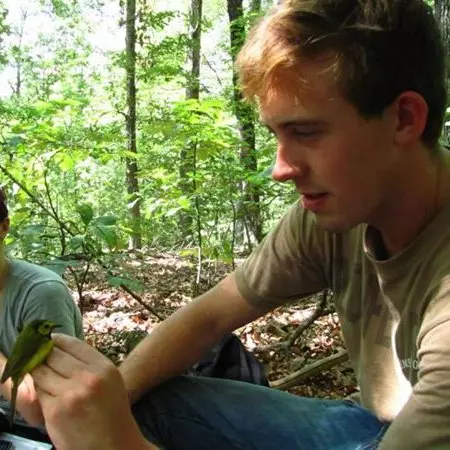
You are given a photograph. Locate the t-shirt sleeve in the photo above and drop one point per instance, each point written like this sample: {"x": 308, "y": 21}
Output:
{"x": 51, "y": 300}
{"x": 423, "y": 423}
{"x": 290, "y": 263}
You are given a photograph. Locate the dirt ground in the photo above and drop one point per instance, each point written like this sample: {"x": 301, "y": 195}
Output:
{"x": 114, "y": 322}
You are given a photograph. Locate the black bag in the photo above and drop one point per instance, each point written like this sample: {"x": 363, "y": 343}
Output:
{"x": 22, "y": 430}
{"x": 230, "y": 359}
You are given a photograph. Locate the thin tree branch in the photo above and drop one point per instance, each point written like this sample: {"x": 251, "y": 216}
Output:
{"x": 319, "y": 311}
{"x": 55, "y": 212}
{"x": 310, "y": 370}
{"x": 214, "y": 70}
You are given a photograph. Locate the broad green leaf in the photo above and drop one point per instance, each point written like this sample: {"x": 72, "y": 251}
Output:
{"x": 86, "y": 213}
{"x": 106, "y": 234}
{"x": 77, "y": 242}
{"x": 67, "y": 163}
{"x": 133, "y": 284}
{"x": 59, "y": 266}
{"x": 106, "y": 221}
{"x": 184, "y": 203}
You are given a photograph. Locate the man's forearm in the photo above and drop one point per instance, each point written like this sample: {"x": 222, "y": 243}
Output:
{"x": 183, "y": 338}
{"x": 174, "y": 345}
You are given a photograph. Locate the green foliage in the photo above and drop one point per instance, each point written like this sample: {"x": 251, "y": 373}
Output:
{"x": 62, "y": 8}
{"x": 4, "y": 31}
{"x": 63, "y": 141}
{"x": 63, "y": 147}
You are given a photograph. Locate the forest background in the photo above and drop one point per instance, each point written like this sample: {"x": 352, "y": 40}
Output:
{"x": 134, "y": 169}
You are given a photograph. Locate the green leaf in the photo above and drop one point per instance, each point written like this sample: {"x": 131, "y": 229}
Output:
{"x": 59, "y": 266}
{"x": 86, "y": 213}
{"x": 106, "y": 234}
{"x": 133, "y": 284}
{"x": 76, "y": 242}
{"x": 184, "y": 202}
{"x": 106, "y": 221}
{"x": 67, "y": 163}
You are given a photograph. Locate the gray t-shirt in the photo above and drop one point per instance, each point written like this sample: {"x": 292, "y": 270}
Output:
{"x": 34, "y": 292}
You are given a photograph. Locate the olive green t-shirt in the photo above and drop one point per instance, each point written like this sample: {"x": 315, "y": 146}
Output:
{"x": 394, "y": 314}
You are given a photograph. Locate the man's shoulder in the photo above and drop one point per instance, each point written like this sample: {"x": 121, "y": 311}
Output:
{"x": 21, "y": 271}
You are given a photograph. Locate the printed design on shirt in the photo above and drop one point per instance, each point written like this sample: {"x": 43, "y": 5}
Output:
{"x": 409, "y": 363}
{"x": 408, "y": 331}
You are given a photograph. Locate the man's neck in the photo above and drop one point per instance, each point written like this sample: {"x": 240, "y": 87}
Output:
{"x": 422, "y": 196}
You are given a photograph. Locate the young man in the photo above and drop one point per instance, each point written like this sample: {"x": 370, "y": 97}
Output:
{"x": 354, "y": 92}
{"x": 29, "y": 292}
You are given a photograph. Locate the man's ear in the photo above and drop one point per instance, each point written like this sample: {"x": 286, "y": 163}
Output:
{"x": 411, "y": 112}
{"x": 4, "y": 228}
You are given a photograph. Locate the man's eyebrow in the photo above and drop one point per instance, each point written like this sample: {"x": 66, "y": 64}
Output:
{"x": 296, "y": 122}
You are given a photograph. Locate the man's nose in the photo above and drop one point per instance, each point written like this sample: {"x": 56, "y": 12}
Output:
{"x": 286, "y": 169}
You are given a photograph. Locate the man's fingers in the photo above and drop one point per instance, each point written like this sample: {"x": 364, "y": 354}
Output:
{"x": 42, "y": 394}
{"x": 47, "y": 380}
{"x": 63, "y": 363}
{"x": 77, "y": 348}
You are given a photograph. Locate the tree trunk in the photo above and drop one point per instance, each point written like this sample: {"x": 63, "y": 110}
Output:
{"x": 250, "y": 211}
{"x": 187, "y": 154}
{"x": 18, "y": 54}
{"x": 442, "y": 12}
{"x": 195, "y": 24}
{"x": 131, "y": 162}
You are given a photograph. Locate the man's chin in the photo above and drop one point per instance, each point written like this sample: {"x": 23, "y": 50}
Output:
{"x": 332, "y": 224}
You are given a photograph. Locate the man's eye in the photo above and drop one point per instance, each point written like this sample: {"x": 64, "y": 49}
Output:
{"x": 304, "y": 134}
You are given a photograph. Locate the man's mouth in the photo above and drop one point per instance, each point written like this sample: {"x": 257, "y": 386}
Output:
{"x": 313, "y": 195}
{"x": 314, "y": 201}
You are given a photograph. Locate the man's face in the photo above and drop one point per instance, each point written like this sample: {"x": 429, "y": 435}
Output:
{"x": 343, "y": 165}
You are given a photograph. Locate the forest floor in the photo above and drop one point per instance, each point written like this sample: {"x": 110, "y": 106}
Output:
{"x": 114, "y": 322}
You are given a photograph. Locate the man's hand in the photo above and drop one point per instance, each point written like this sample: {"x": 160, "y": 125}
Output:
{"x": 27, "y": 402}
{"x": 84, "y": 401}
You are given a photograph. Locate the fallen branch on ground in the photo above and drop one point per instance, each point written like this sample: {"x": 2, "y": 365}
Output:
{"x": 310, "y": 370}
{"x": 319, "y": 311}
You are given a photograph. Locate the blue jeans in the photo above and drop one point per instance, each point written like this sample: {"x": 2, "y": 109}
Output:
{"x": 199, "y": 413}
